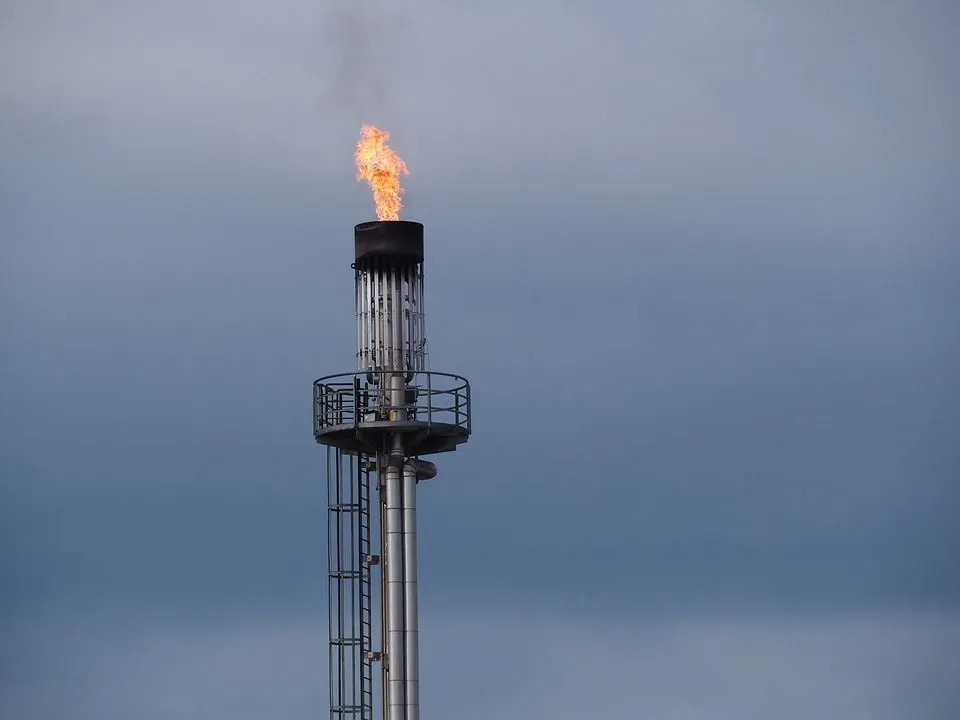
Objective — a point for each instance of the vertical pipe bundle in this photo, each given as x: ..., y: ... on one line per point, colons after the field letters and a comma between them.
x: 390, y: 349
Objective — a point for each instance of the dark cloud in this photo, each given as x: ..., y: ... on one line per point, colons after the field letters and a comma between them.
x: 748, y: 428
x: 700, y: 266
x: 509, y: 665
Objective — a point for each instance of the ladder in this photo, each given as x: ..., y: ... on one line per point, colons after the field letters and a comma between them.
x: 367, y: 560
x: 349, y: 597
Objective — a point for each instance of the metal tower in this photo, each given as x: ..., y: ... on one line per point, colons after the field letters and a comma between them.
x: 377, y: 423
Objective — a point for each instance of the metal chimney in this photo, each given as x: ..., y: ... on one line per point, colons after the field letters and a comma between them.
x: 377, y: 423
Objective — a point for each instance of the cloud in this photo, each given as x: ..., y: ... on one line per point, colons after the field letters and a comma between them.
x: 482, y: 664
x: 500, y: 97
x: 698, y: 260
x: 709, y: 418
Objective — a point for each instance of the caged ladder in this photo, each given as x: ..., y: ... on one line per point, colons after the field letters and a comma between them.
x: 349, y: 589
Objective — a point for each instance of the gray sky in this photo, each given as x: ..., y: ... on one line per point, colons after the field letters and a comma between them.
x: 698, y: 259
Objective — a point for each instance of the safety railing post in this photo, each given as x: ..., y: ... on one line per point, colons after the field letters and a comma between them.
x: 356, y: 399
x: 456, y: 407
x: 429, y: 400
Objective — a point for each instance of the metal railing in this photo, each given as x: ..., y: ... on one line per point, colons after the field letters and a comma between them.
x: 358, y: 398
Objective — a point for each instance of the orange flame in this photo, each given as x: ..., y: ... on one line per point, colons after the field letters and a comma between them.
x: 381, y: 167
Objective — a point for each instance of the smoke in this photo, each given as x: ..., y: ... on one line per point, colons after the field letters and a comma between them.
x: 361, y: 35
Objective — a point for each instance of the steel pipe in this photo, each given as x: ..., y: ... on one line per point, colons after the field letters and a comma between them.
x: 411, y: 620
x: 394, y: 669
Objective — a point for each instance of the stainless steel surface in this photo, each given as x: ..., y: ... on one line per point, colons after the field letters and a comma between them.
x: 394, y: 670
x: 411, y: 620
x: 390, y: 320
x: 392, y: 410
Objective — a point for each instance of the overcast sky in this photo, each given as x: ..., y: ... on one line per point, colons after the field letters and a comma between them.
x: 699, y: 260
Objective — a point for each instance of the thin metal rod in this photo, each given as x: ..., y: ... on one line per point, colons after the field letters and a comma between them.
x: 411, y: 620
x: 354, y: 589
x: 382, y: 460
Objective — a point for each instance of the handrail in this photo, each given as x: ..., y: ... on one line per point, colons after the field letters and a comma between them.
x: 345, y: 400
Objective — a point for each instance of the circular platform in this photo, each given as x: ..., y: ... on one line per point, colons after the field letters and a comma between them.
x: 351, y: 412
